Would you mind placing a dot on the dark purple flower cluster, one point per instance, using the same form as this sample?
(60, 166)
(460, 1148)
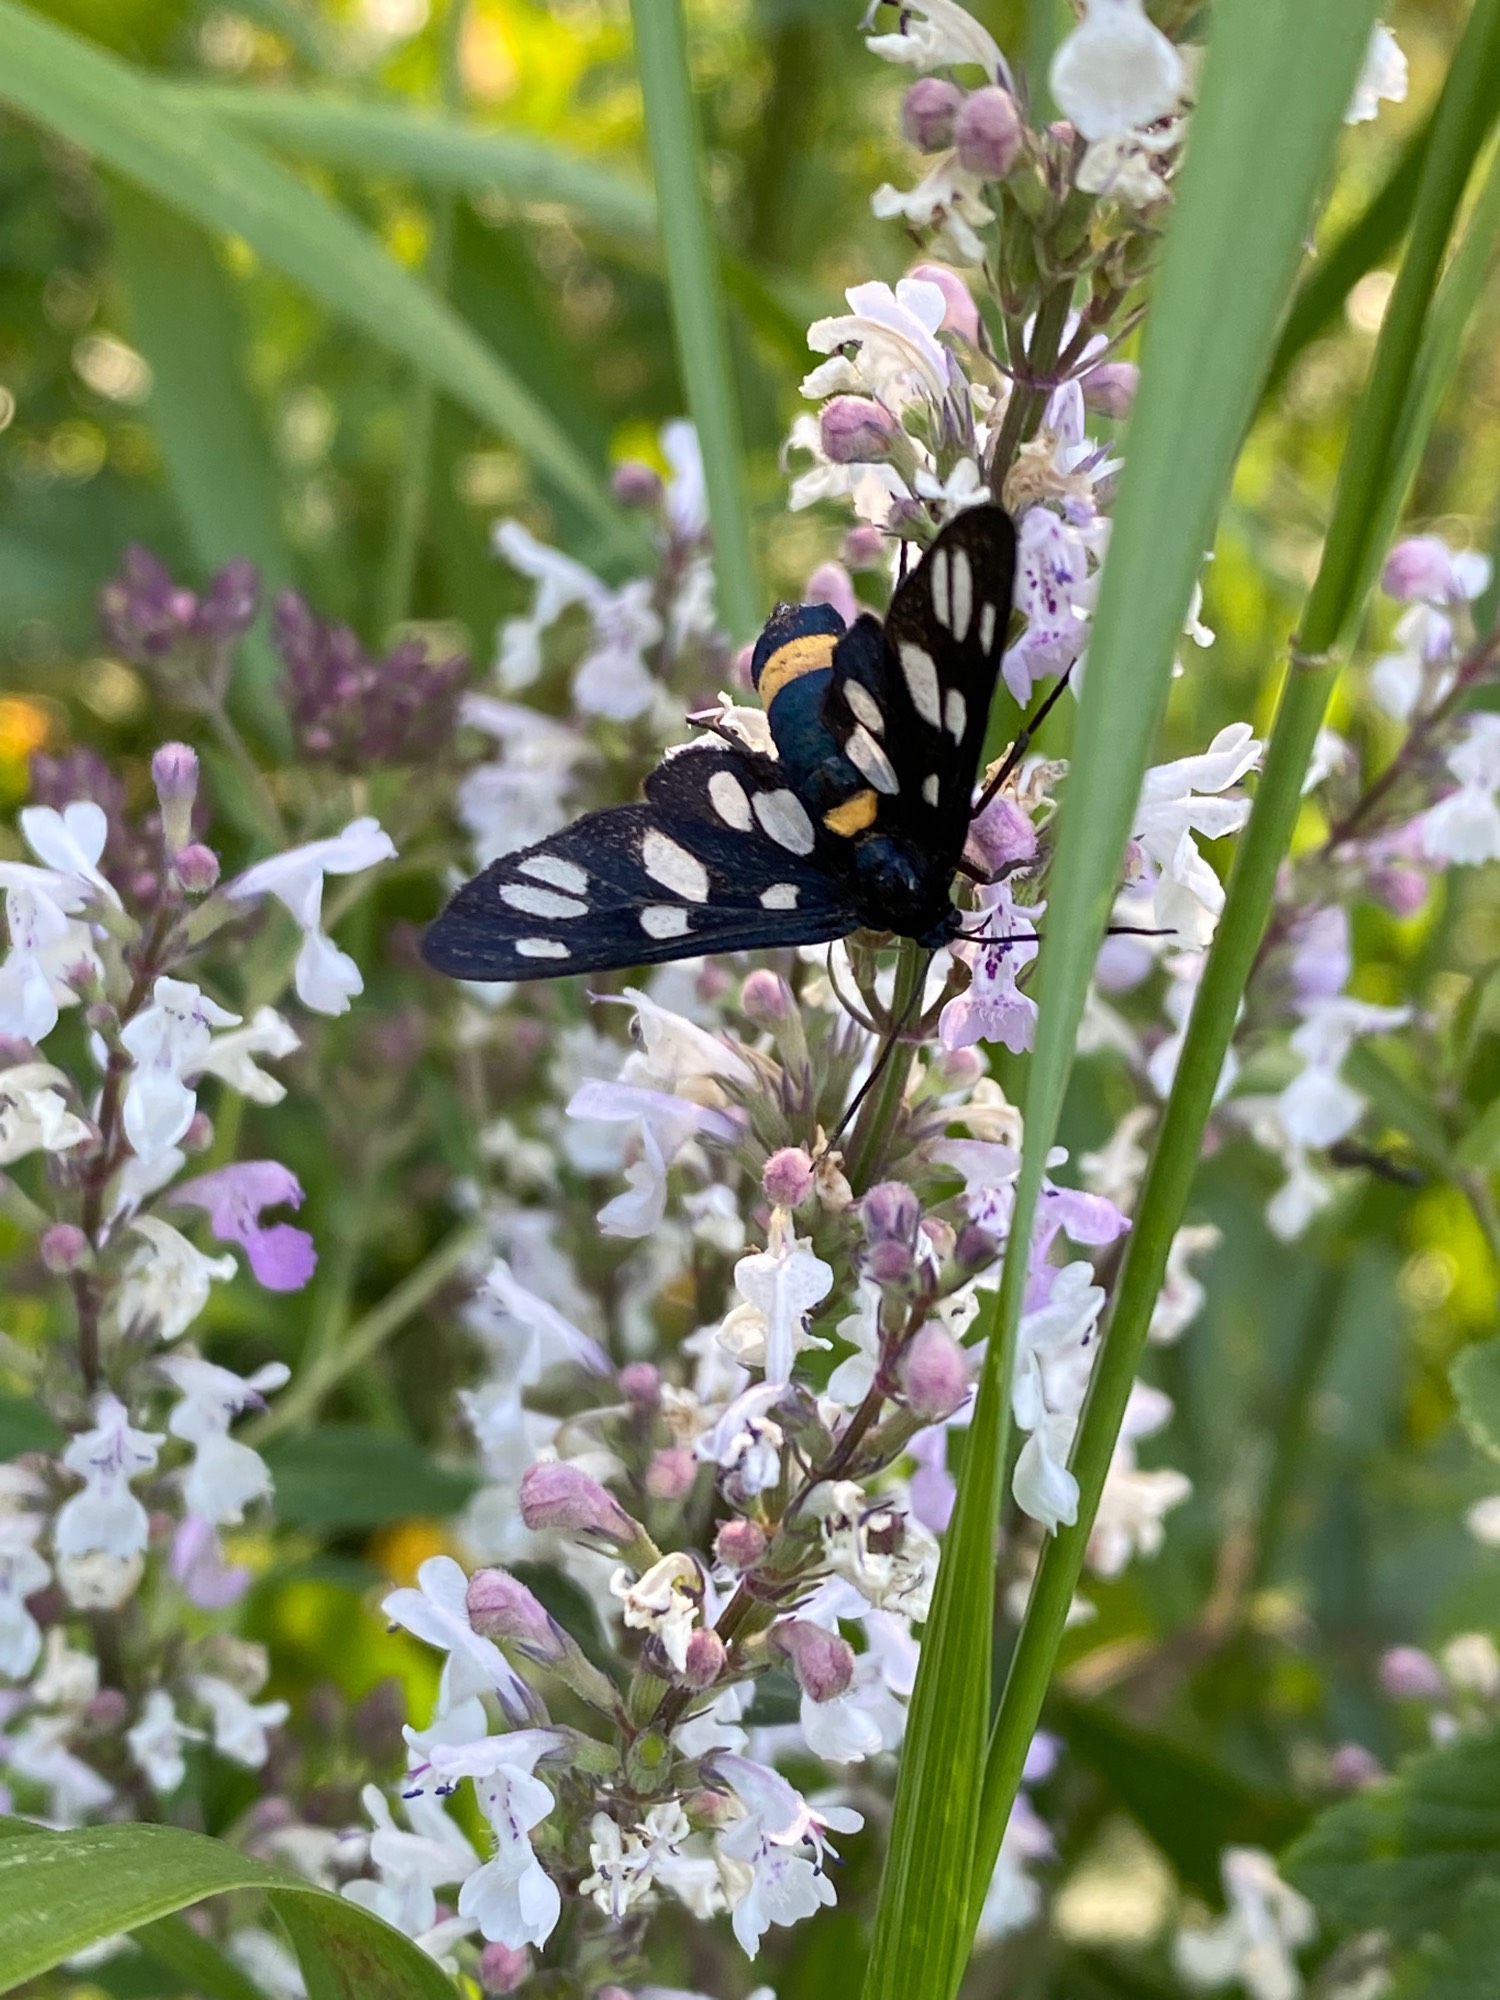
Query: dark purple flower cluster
(352, 709)
(149, 617)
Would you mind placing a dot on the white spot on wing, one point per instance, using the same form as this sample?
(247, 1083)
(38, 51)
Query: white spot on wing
(727, 796)
(921, 681)
(785, 819)
(863, 706)
(664, 920)
(780, 896)
(566, 875)
(542, 948)
(867, 757)
(955, 714)
(541, 902)
(932, 788)
(941, 608)
(987, 627)
(962, 592)
(665, 862)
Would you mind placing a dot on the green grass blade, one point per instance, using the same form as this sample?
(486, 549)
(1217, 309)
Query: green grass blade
(184, 316)
(207, 172)
(393, 139)
(697, 295)
(1232, 251)
(1362, 509)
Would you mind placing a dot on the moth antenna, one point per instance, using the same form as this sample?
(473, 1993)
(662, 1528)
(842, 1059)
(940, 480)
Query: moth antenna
(1022, 744)
(855, 1012)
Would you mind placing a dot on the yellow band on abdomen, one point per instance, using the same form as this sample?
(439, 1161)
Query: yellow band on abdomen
(791, 661)
(853, 816)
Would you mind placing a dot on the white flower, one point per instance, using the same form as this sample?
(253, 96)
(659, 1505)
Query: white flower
(613, 679)
(679, 1058)
(1483, 1521)
(1255, 1942)
(34, 1115)
(934, 34)
(106, 1518)
(239, 1724)
(38, 1753)
(168, 1042)
(860, 1723)
(879, 1547)
(625, 1861)
(1130, 167)
(1174, 806)
(1014, 1897)
(229, 1056)
(156, 1741)
(1383, 76)
(225, 1476)
(899, 360)
(22, 1571)
(69, 1679)
(665, 1601)
(1465, 827)
(1116, 71)
(526, 1335)
(779, 1840)
(511, 1898)
(853, 1379)
(166, 1282)
(1182, 1294)
(666, 1124)
(965, 486)
(746, 1442)
(326, 978)
(269, 1964)
(1118, 1168)
(411, 1866)
(1133, 1502)
(1318, 1108)
(945, 199)
(1054, 1356)
(42, 939)
(782, 1284)
(518, 798)
(437, 1611)
(70, 843)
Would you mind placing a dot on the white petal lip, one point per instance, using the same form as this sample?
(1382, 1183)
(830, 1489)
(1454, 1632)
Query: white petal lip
(1116, 72)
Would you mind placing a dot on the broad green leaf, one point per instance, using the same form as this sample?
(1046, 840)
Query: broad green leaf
(1190, 1806)
(395, 139)
(1461, 1964)
(185, 319)
(25, 1426)
(206, 171)
(1402, 1856)
(1241, 218)
(60, 1892)
(695, 287)
(347, 1477)
(1475, 1377)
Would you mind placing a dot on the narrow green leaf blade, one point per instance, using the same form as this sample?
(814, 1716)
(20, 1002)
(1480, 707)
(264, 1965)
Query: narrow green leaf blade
(1475, 1379)
(60, 1892)
(1461, 1964)
(207, 172)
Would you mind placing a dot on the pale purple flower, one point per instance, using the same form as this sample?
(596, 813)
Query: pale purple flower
(993, 1008)
(106, 1518)
(22, 1573)
(1055, 588)
(198, 1567)
(326, 978)
(282, 1258)
(781, 1839)
(1464, 827)
(167, 1042)
(225, 1476)
(240, 1726)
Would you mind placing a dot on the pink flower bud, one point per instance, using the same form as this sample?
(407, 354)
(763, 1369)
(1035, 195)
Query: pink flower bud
(739, 1545)
(501, 1608)
(788, 1177)
(64, 1249)
(862, 548)
(107, 1710)
(1110, 388)
(892, 1216)
(1409, 1674)
(1352, 1767)
(856, 430)
(174, 772)
(671, 1473)
(636, 485)
(1420, 567)
(767, 999)
(928, 113)
(640, 1385)
(705, 1659)
(196, 868)
(975, 1248)
(830, 584)
(934, 1374)
(959, 1069)
(822, 1661)
(960, 314)
(557, 1495)
(199, 1135)
(990, 133)
(502, 1970)
(1002, 836)
(1403, 891)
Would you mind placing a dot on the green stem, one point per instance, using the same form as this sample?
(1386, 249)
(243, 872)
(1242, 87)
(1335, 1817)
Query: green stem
(695, 287)
(1361, 502)
(872, 1135)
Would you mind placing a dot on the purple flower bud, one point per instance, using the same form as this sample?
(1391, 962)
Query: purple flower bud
(64, 1249)
(671, 1473)
(195, 868)
(351, 709)
(975, 1248)
(1403, 891)
(640, 1385)
(960, 314)
(739, 1545)
(959, 1069)
(1420, 567)
(174, 772)
(106, 1711)
(990, 133)
(767, 999)
(502, 1970)
(143, 612)
(830, 584)
(934, 1374)
(928, 112)
(199, 1135)
(892, 1216)
(1409, 1674)
(787, 1177)
(822, 1661)
(501, 1608)
(705, 1659)
(558, 1495)
(636, 485)
(1002, 836)
(1352, 1767)
(230, 602)
(863, 548)
(1110, 388)
(856, 430)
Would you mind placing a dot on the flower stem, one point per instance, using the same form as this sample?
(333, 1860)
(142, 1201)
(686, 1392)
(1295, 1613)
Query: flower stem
(872, 1135)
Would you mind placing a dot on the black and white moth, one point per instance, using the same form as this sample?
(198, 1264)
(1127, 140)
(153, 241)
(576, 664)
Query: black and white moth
(856, 816)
